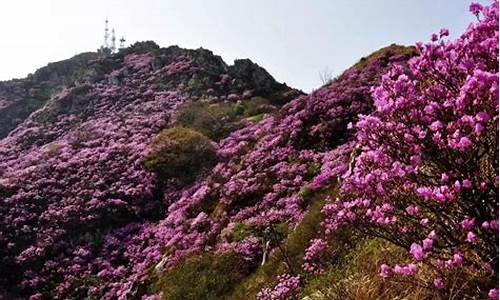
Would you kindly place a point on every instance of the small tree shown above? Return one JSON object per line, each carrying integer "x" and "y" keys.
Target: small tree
{"x": 326, "y": 76}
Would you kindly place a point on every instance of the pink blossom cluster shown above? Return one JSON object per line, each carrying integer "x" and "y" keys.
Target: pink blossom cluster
{"x": 402, "y": 270}
{"x": 81, "y": 206}
{"x": 427, "y": 175}
{"x": 313, "y": 256}
{"x": 250, "y": 248}
{"x": 81, "y": 215}
{"x": 286, "y": 288}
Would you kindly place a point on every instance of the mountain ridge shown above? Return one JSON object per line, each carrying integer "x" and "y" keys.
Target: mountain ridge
{"x": 20, "y": 97}
{"x": 90, "y": 138}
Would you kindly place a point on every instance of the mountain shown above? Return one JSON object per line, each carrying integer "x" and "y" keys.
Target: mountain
{"x": 164, "y": 173}
{"x": 73, "y": 173}
{"x": 81, "y": 147}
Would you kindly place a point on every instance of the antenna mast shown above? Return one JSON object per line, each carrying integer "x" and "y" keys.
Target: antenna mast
{"x": 109, "y": 46}
{"x": 106, "y": 35}
{"x": 113, "y": 41}
{"x": 122, "y": 42}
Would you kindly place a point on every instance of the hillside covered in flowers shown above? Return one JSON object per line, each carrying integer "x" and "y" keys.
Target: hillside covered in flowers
{"x": 164, "y": 173}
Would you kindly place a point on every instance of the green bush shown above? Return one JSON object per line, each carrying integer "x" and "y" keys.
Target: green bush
{"x": 242, "y": 231}
{"x": 206, "y": 276}
{"x": 312, "y": 170}
{"x": 257, "y": 106}
{"x": 218, "y": 120}
{"x": 238, "y": 108}
{"x": 215, "y": 120}
{"x": 305, "y": 192}
{"x": 180, "y": 153}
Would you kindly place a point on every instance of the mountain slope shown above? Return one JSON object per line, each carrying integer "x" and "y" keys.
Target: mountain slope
{"x": 72, "y": 170}
{"x": 169, "y": 174}
{"x": 81, "y": 203}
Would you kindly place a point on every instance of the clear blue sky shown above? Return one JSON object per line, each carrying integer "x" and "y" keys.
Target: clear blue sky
{"x": 293, "y": 39}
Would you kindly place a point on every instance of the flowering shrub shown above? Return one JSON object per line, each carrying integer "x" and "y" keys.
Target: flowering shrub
{"x": 180, "y": 153}
{"x": 314, "y": 254}
{"x": 79, "y": 214}
{"x": 426, "y": 178}
{"x": 60, "y": 200}
{"x": 86, "y": 218}
{"x": 286, "y": 288}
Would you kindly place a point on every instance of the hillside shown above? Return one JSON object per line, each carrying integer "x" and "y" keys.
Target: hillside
{"x": 73, "y": 168}
{"x": 164, "y": 173}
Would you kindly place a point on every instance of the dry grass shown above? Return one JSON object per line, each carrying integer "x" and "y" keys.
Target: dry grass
{"x": 356, "y": 277}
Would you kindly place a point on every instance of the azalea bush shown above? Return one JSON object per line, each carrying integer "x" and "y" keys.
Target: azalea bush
{"x": 68, "y": 182}
{"x": 287, "y": 287}
{"x": 83, "y": 217}
{"x": 256, "y": 183}
{"x": 427, "y": 175}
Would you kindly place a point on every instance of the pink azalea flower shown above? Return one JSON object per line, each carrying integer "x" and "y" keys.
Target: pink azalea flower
{"x": 427, "y": 243}
{"x": 417, "y": 251}
{"x": 439, "y": 283}
{"x": 493, "y": 294}
{"x": 385, "y": 270}
{"x": 471, "y": 237}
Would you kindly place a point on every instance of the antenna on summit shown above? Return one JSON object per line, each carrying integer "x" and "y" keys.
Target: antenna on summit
{"x": 122, "y": 42}
{"x": 113, "y": 41}
{"x": 109, "y": 45}
{"x": 106, "y": 34}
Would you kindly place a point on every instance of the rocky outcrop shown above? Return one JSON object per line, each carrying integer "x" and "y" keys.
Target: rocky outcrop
{"x": 20, "y": 97}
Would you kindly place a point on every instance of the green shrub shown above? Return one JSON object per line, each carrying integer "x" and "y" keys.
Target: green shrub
{"x": 238, "y": 108}
{"x": 305, "y": 192}
{"x": 312, "y": 170}
{"x": 206, "y": 276}
{"x": 180, "y": 153}
{"x": 257, "y": 106}
{"x": 242, "y": 231}
{"x": 218, "y": 120}
{"x": 215, "y": 120}
{"x": 281, "y": 229}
